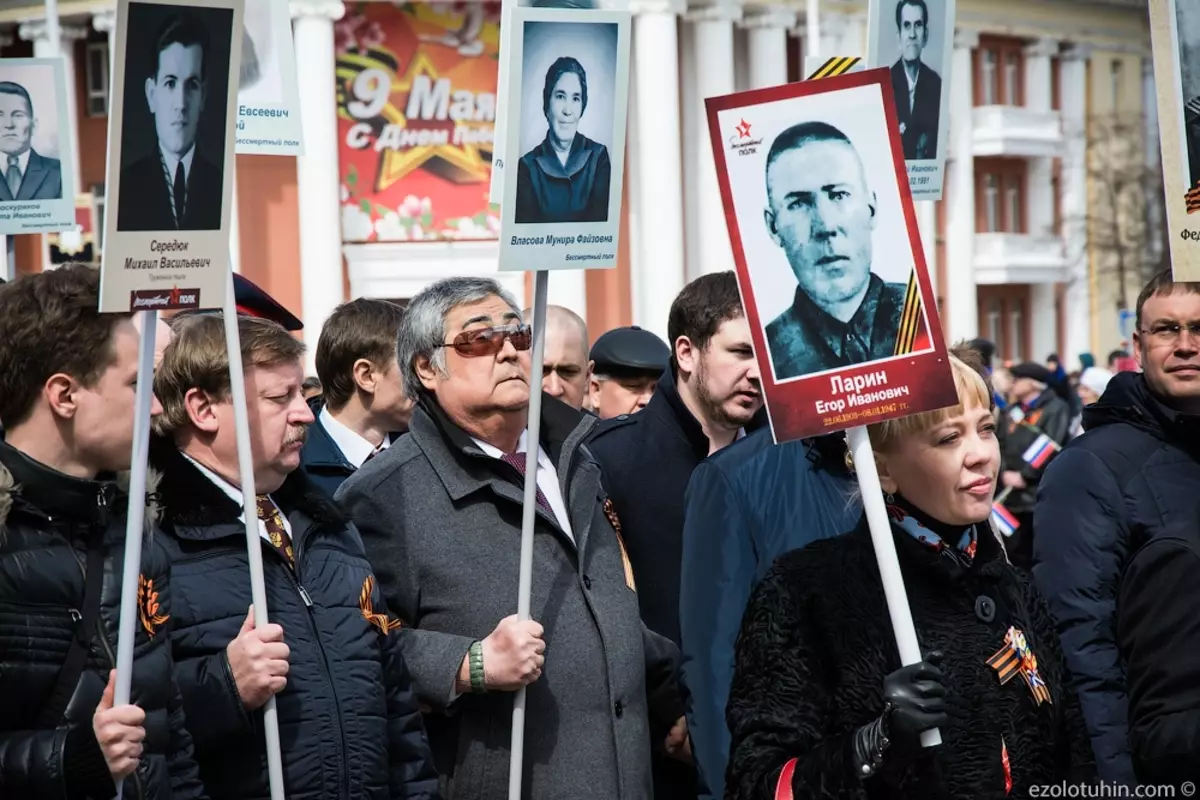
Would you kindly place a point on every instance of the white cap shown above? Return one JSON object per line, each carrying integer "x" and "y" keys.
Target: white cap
{"x": 1096, "y": 379}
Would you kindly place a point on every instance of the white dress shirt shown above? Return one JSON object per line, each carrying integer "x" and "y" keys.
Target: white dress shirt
{"x": 354, "y": 447}
{"x": 235, "y": 494}
{"x": 170, "y": 160}
{"x": 547, "y": 479}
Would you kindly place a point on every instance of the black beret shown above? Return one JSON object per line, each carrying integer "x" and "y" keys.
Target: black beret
{"x": 1033, "y": 371}
{"x": 254, "y": 302}
{"x": 624, "y": 349}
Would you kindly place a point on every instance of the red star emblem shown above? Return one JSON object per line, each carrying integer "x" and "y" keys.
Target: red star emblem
{"x": 743, "y": 130}
{"x": 173, "y": 298}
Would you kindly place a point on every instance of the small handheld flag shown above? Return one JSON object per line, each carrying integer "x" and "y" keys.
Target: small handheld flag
{"x": 1040, "y": 452}
{"x": 1004, "y": 520}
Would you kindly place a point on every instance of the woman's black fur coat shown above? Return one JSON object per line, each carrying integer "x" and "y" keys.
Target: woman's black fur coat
{"x": 816, "y": 643}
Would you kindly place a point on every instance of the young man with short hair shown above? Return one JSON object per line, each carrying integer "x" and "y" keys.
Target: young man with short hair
{"x": 362, "y": 408}
{"x": 67, "y": 386}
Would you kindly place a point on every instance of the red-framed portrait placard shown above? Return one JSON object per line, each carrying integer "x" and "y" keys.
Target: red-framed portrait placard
{"x": 828, "y": 255}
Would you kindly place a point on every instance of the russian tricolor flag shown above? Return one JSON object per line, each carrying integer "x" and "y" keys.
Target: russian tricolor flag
{"x": 1004, "y": 520}
{"x": 1041, "y": 451}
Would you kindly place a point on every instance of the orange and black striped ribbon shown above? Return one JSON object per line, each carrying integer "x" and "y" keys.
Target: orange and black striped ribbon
{"x": 910, "y": 318}
{"x": 835, "y": 66}
{"x": 1192, "y": 198}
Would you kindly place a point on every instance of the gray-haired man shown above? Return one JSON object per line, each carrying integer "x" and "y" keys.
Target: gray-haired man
{"x": 440, "y": 513}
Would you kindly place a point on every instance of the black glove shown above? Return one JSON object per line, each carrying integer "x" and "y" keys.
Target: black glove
{"x": 914, "y": 702}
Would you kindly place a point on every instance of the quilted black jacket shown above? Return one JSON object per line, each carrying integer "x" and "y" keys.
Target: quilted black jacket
{"x": 46, "y": 520}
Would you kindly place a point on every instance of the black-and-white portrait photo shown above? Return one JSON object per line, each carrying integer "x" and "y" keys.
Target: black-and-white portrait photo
{"x": 823, "y": 229}
{"x": 912, "y": 41}
{"x": 174, "y": 124}
{"x": 1187, "y": 26}
{"x": 567, "y": 123}
{"x": 260, "y": 82}
{"x": 29, "y": 134}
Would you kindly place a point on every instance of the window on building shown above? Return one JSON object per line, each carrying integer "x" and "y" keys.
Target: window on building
{"x": 98, "y": 215}
{"x": 1056, "y": 83}
{"x": 1117, "y": 80}
{"x": 1012, "y": 78}
{"x": 991, "y": 203}
{"x": 1016, "y": 327}
{"x": 1056, "y": 189}
{"x": 987, "y": 78}
{"x": 1012, "y": 205}
{"x": 994, "y": 316}
{"x": 97, "y": 79}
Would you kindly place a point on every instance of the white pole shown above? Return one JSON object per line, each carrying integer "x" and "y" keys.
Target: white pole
{"x": 812, "y": 28}
{"x": 54, "y": 33}
{"x": 135, "y": 518}
{"x": 258, "y": 587}
{"x": 525, "y": 580}
{"x": 8, "y": 270}
{"x": 885, "y": 554}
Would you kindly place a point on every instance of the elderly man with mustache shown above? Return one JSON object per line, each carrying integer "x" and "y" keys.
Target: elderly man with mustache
{"x": 440, "y": 512}
{"x": 350, "y": 725}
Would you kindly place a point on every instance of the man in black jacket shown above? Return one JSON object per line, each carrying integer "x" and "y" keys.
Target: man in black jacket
{"x": 67, "y": 388}
{"x": 349, "y": 722}
{"x": 363, "y": 407}
{"x": 1128, "y": 481}
{"x": 703, "y": 402}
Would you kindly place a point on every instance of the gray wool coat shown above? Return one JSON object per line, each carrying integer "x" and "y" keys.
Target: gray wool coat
{"x": 441, "y": 522}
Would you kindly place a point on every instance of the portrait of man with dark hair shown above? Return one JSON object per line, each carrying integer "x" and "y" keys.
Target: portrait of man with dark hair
{"x": 916, "y": 87}
{"x": 821, "y": 212}
{"x": 174, "y": 187}
{"x": 28, "y": 175}
{"x": 566, "y": 177}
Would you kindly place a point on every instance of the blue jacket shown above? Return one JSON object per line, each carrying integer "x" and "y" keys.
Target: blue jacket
{"x": 349, "y": 723}
{"x": 747, "y": 505}
{"x": 322, "y": 460}
{"x": 1131, "y": 478}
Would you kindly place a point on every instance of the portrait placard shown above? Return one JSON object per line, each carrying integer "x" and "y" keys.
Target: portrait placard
{"x": 565, "y": 139}
{"x": 37, "y": 193}
{"x": 268, "y": 98}
{"x": 1175, "y": 37}
{"x": 827, "y": 254}
{"x": 914, "y": 39}
{"x": 170, "y": 154}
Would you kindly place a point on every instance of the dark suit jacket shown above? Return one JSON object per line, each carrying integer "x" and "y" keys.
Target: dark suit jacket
{"x": 322, "y": 460}
{"x": 146, "y": 200}
{"x": 919, "y": 127}
{"x": 42, "y": 180}
{"x": 549, "y": 192}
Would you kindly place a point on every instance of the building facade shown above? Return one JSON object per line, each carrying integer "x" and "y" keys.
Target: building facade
{"x": 1047, "y": 221}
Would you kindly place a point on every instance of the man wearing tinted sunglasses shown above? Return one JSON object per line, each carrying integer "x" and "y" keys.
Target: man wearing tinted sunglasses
{"x": 440, "y": 514}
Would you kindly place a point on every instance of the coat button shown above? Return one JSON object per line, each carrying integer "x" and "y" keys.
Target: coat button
{"x": 618, "y": 709}
{"x": 587, "y": 582}
{"x": 985, "y": 608}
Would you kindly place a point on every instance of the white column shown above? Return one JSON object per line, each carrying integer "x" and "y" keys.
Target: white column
{"x": 568, "y": 288}
{"x": 317, "y": 182}
{"x": 1040, "y": 182}
{"x": 1153, "y": 160}
{"x": 768, "y": 44}
{"x": 106, "y": 22}
{"x": 961, "y": 312}
{"x": 927, "y": 227}
{"x": 812, "y": 30}
{"x": 1043, "y": 321}
{"x": 1077, "y": 306}
{"x": 714, "y": 77}
{"x": 658, "y": 182}
{"x": 1037, "y": 73}
{"x": 41, "y": 33}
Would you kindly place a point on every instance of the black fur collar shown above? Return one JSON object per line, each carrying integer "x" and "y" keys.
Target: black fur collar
{"x": 189, "y": 499}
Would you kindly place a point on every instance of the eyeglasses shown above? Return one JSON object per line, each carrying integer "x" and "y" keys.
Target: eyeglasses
{"x": 489, "y": 341}
{"x": 1169, "y": 332}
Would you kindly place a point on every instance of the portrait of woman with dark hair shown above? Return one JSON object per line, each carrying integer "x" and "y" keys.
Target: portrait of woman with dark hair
{"x": 566, "y": 177}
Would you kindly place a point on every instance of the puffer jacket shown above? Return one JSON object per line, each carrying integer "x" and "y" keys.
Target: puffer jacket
{"x": 349, "y": 722}
{"x": 46, "y": 522}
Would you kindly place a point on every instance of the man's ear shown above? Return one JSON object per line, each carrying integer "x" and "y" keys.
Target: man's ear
{"x": 365, "y": 375}
{"x": 201, "y": 411}
{"x": 61, "y": 393}
{"x": 769, "y": 219}
{"x": 686, "y": 354}
{"x": 1137, "y": 349}
{"x": 150, "y": 94}
{"x": 873, "y": 205}
{"x": 426, "y": 372}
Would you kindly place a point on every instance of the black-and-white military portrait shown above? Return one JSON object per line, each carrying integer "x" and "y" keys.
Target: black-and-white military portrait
{"x": 567, "y": 101}
{"x": 911, "y": 41}
{"x": 174, "y": 126}
{"x": 822, "y": 226}
{"x": 31, "y": 133}
{"x": 1187, "y": 27}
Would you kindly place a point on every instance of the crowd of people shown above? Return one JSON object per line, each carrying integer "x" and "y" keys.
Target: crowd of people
{"x": 707, "y": 616}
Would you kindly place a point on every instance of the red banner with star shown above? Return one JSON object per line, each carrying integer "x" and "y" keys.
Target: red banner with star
{"x": 416, "y": 86}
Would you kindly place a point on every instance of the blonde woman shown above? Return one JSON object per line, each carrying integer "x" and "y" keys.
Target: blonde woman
{"x": 821, "y": 707}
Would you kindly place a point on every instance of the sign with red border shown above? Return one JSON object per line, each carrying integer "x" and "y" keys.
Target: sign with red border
{"x": 828, "y": 256}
